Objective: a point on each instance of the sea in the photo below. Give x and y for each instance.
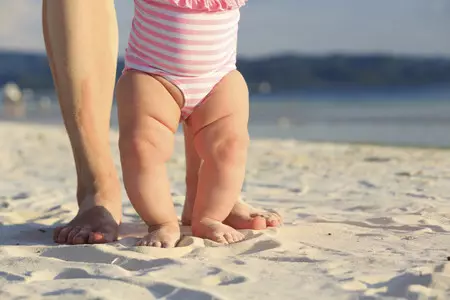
(406, 117)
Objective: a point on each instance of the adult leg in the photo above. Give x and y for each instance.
(81, 39)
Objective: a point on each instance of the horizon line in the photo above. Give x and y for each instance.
(287, 53)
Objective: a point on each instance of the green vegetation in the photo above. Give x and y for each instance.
(281, 73)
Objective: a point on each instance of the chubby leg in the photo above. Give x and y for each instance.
(148, 119)
(242, 216)
(81, 40)
(221, 139)
(193, 162)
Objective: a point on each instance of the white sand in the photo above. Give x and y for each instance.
(362, 222)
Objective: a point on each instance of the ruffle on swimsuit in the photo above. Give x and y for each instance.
(206, 5)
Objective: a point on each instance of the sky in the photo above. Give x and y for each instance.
(270, 27)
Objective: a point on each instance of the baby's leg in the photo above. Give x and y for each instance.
(242, 216)
(221, 139)
(193, 162)
(148, 118)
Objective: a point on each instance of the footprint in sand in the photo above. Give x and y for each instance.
(218, 276)
(107, 254)
(423, 284)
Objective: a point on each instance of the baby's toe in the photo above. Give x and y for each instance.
(220, 238)
(229, 237)
(238, 236)
(141, 242)
(169, 243)
(272, 220)
(156, 244)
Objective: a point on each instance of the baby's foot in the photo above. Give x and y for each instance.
(216, 231)
(161, 236)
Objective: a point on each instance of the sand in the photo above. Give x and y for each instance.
(361, 222)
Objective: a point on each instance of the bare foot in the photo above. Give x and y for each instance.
(216, 231)
(92, 225)
(242, 216)
(161, 236)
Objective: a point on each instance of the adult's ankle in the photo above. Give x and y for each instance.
(98, 190)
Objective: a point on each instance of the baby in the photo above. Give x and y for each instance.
(180, 66)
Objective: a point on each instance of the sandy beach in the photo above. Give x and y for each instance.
(361, 222)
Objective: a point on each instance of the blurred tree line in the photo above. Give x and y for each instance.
(282, 73)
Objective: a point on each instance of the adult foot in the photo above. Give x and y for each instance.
(161, 236)
(94, 224)
(242, 216)
(216, 231)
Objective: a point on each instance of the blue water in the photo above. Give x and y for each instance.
(403, 117)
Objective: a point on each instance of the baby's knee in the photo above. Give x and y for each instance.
(145, 149)
(229, 150)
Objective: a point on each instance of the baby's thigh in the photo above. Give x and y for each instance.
(228, 99)
(141, 96)
(148, 114)
(220, 124)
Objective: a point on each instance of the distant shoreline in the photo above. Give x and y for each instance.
(279, 73)
(399, 121)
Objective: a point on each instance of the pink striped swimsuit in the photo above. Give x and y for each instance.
(191, 43)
